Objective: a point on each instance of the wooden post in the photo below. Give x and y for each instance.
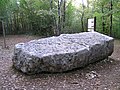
(87, 24)
(94, 23)
(3, 28)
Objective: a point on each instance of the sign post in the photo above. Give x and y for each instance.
(92, 24)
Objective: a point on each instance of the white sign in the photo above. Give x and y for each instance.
(91, 24)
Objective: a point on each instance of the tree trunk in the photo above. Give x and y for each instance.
(82, 17)
(82, 23)
(88, 4)
(103, 24)
(10, 25)
(59, 19)
(64, 9)
(4, 34)
(51, 4)
(15, 24)
(111, 19)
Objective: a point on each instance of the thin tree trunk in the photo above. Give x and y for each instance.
(11, 24)
(51, 4)
(59, 19)
(7, 25)
(111, 19)
(22, 23)
(61, 13)
(4, 34)
(17, 19)
(64, 9)
(88, 4)
(14, 24)
(82, 17)
(82, 23)
(103, 24)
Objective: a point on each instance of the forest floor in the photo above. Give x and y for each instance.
(103, 75)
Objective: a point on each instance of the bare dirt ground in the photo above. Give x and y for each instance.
(103, 75)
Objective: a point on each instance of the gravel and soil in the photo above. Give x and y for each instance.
(103, 75)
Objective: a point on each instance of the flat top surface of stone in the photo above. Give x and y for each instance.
(65, 43)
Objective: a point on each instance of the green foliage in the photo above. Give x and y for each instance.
(3, 5)
(115, 12)
(29, 16)
(73, 23)
(43, 23)
(37, 16)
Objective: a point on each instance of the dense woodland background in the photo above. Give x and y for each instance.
(53, 17)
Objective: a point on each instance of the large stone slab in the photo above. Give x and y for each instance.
(62, 53)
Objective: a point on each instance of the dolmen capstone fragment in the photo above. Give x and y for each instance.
(62, 53)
